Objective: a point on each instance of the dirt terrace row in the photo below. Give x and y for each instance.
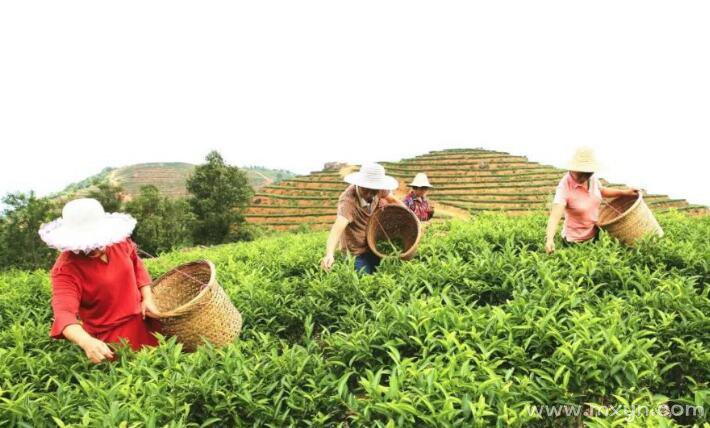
(283, 227)
(449, 179)
(439, 180)
(334, 191)
(489, 160)
(489, 182)
(281, 209)
(463, 152)
(427, 167)
(448, 171)
(328, 213)
(287, 218)
(449, 174)
(459, 157)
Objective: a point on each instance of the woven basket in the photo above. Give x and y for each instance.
(628, 219)
(195, 308)
(394, 222)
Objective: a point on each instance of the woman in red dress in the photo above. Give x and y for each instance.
(100, 289)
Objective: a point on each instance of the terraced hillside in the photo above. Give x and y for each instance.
(467, 181)
(168, 177)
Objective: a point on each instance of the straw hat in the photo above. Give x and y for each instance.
(583, 161)
(372, 176)
(84, 226)
(420, 180)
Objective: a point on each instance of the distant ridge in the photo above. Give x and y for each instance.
(168, 177)
(467, 181)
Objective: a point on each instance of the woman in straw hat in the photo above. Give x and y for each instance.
(369, 189)
(417, 201)
(100, 288)
(578, 196)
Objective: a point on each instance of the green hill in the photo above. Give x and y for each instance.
(168, 177)
(476, 330)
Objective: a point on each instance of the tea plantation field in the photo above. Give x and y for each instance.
(480, 329)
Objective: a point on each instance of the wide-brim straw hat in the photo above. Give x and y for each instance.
(372, 176)
(85, 226)
(420, 180)
(583, 160)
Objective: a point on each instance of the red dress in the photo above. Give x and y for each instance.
(104, 297)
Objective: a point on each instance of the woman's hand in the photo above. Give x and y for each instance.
(96, 350)
(632, 192)
(149, 308)
(550, 246)
(327, 262)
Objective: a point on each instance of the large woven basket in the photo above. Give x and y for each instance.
(394, 222)
(628, 219)
(195, 308)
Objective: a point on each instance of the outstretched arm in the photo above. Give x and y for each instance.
(66, 297)
(555, 215)
(95, 349)
(336, 232)
(608, 192)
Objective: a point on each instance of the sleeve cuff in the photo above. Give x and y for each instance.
(142, 277)
(61, 321)
(559, 198)
(345, 217)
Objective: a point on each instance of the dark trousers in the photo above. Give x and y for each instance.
(367, 263)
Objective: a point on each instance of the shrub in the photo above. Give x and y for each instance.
(20, 244)
(219, 193)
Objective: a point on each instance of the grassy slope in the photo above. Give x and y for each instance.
(478, 326)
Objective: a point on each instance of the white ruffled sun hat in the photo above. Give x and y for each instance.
(583, 160)
(372, 176)
(85, 226)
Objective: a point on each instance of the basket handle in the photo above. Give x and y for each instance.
(202, 285)
(640, 196)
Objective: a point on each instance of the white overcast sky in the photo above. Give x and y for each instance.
(294, 84)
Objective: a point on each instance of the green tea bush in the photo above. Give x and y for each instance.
(480, 329)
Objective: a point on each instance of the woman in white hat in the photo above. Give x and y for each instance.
(578, 196)
(417, 201)
(100, 288)
(369, 189)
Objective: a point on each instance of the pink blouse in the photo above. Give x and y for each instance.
(581, 207)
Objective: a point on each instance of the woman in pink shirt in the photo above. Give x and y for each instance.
(578, 196)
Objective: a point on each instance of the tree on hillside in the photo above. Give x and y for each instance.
(219, 193)
(163, 223)
(20, 244)
(110, 196)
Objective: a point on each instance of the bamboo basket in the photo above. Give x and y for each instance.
(394, 222)
(195, 308)
(628, 219)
